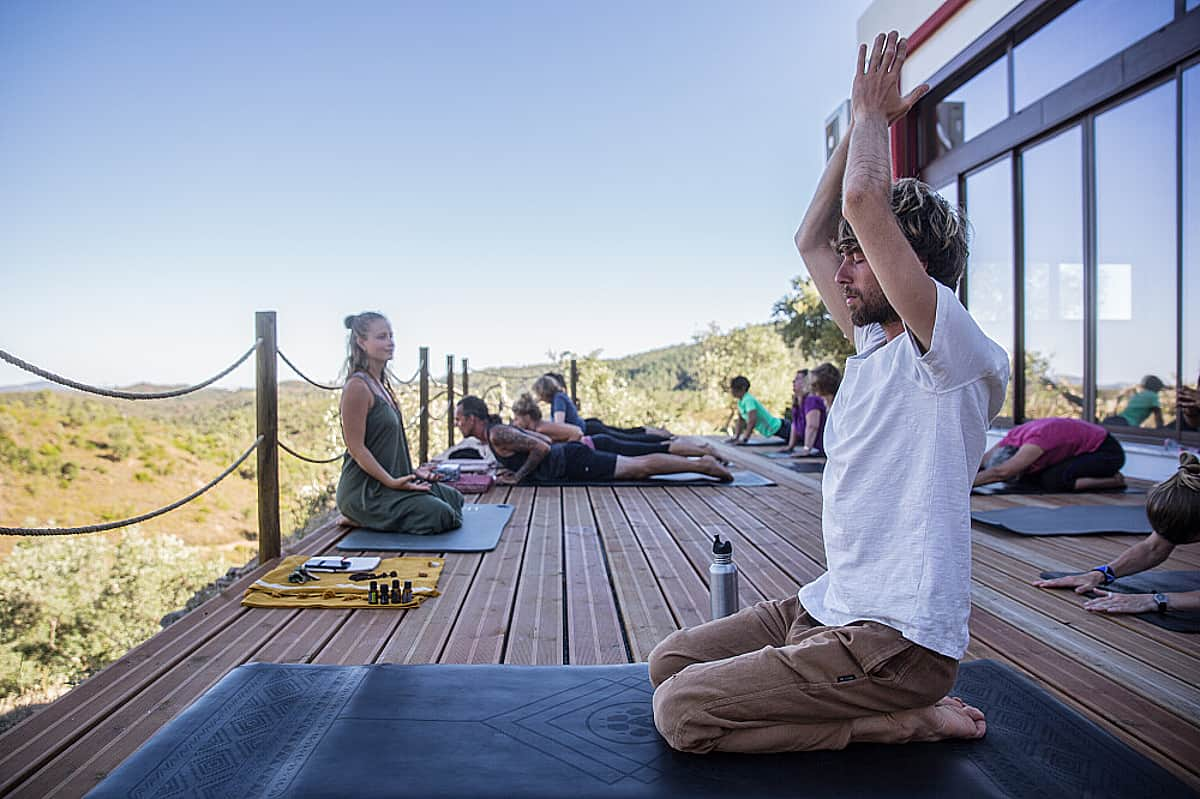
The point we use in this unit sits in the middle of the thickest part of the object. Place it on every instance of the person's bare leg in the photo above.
(949, 717)
(693, 448)
(1100, 483)
(649, 465)
(658, 431)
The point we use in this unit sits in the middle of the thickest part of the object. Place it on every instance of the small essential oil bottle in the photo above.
(373, 594)
(407, 595)
(395, 592)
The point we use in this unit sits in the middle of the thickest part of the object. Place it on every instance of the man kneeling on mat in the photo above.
(1055, 455)
(529, 455)
(528, 416)
(1173, 507)
(868, 650)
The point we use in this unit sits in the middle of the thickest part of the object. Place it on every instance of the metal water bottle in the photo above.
(722, 579)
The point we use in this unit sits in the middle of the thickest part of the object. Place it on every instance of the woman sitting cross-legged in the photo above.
(532, 457)
(549, 389)
(528, 416)
(378, 487)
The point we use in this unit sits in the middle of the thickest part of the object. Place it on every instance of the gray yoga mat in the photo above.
(998, 489)
(1071, 520)
(526, 732)
(1152, 582)
(783, 456)
(763, 442)
(740, 479)
(480, 532)
(806, 467)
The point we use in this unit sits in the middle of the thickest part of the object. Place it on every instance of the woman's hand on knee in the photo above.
(409, 482)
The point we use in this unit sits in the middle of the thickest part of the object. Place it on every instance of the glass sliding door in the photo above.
(1191, 237)
(1136, 332)
(990, 266)
(1052, 200)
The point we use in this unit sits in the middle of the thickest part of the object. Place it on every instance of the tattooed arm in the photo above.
(510, 440)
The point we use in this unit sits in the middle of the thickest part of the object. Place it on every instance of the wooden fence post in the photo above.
(423, 445)
(449, 400)
(266, 392)
(574, 381)
(465, 380)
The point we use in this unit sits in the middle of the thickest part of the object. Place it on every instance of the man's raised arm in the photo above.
(867, 188)
(816, 233)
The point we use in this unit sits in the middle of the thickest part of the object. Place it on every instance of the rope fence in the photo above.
(308, 458)
(129, 395)
(308, 379)
(99, 528)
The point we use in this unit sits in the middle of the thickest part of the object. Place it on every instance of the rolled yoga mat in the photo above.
(1071, 520)
(480, 532)
(517, 732)
(1152, 582)
(740, 478)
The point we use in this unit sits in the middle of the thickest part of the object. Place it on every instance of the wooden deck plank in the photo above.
(480, 629)
(105, 745)
(421, 636)
(535, 634)
(594, 631)
(57, 726)
(644, 609)
(695, 539)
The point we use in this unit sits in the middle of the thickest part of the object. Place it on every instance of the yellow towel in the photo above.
(336, 590)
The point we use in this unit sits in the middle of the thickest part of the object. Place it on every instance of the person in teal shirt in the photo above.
(1143, 403)
(753, 416)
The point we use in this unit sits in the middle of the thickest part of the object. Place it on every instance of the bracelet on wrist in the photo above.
(1106, 572)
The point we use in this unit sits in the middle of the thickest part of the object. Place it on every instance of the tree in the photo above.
(805, 323)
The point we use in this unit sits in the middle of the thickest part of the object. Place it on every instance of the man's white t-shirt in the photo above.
(904, 439)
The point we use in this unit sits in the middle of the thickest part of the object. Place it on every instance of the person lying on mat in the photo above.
(527, 455)
(753, 416)
(1056, 455)
(868, 650)
(378, 487)
(527, 415)
(823, 382)
(549, 389)
(1173, 507)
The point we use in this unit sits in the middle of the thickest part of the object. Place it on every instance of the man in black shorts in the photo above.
(530, 457)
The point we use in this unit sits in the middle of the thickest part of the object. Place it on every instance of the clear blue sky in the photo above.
(501, 179)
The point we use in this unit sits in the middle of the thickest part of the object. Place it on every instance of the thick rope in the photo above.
(99, 528)
(410, 380)
(306, 377)
(295, 454)
(130, 395)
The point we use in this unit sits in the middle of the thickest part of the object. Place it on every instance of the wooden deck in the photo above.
(600, 575)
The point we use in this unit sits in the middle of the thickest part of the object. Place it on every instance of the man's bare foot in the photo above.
(949, 718)
(345, 521)
(708, 449)
(711, 466)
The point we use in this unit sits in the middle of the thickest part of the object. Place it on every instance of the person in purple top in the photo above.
(799, 395)
(1056, 455)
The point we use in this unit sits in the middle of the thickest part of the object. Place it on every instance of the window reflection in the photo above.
(990, 266)
(1080, 38)
(1135, 278)
(1191, 235)
(973, 107)
(1052, 178)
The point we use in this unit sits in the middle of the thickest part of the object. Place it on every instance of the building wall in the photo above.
(967, 24)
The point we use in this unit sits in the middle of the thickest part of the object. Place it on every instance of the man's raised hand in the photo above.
(876, 88)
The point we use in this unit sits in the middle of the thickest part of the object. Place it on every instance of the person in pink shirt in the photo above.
(1056, 455)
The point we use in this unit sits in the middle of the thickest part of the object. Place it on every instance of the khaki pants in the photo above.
(771, 679)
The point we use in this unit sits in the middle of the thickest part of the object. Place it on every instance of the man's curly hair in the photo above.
(936, 230)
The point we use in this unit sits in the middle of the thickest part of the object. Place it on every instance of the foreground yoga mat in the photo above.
(269, 730)
(480, 532)
(740, 478)
(995, 489)
(1152, 582)
(1072, 520)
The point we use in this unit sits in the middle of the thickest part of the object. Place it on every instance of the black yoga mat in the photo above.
(1071, 520)
(806, 467)
(480, 532)
(270, 730)
(1152, 582)
(740, 478)
(995, 489)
